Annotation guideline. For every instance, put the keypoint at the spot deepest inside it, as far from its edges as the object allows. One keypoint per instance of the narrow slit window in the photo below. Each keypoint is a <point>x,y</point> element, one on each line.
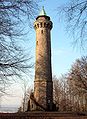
<point>42,31</point>
<point>41,24</point>
<point>32,105</point>
<point>37,43</point>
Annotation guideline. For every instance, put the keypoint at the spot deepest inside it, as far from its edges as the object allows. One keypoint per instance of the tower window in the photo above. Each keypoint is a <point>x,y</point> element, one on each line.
<point>38,25</point>
<point>37,43</point>
<point>42,31</point>
<point>41,24</point>
<point>44,24</point>
<point>35,26</point>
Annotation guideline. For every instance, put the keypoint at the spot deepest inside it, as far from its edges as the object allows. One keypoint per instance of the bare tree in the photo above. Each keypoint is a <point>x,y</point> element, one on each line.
<point>57,91</point>
<point>27,91</point>
<point>60,93</point>
<point>78,78</point>
<point>78,73</point>
<point>68,96</point>
<point>15,20</point>
<point>76,19</point>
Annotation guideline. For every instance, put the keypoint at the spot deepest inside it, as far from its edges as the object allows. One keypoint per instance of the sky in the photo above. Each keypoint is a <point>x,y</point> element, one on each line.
<point>63,53</point>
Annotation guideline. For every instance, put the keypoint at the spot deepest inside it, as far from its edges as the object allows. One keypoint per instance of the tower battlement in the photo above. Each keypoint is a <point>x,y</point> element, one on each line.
<point>42,22</point>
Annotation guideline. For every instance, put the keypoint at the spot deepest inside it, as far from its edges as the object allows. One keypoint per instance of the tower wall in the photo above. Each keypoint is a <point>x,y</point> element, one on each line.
<point>43,86</point>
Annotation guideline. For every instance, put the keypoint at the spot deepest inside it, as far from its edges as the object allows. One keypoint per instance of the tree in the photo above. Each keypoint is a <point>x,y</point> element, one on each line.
<point>78,78</point>
<point>78,73</point>
<point>67,96</point>
<point>26,91</point>
<point>15,15</point>
<point>76,18</point>
<point>61,93</point>
<point>26,97</point>
<point>57,91</point>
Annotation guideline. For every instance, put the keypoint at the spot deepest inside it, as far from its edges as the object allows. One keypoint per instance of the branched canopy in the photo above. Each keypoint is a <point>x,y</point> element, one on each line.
<point>76,20</point>
<point>78,74</point>
<point>15,15</point>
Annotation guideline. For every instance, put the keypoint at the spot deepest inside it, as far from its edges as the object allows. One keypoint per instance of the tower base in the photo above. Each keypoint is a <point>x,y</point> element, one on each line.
<point>33,105</point>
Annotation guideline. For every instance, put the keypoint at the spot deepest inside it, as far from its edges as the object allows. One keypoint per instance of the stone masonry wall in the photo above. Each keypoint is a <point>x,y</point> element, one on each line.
<point>43,86</point>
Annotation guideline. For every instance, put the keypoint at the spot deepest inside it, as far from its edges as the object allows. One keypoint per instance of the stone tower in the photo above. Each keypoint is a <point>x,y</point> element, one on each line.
<point>43,85</point>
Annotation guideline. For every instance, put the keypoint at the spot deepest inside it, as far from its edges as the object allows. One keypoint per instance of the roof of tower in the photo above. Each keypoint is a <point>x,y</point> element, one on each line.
<point>42,12</point>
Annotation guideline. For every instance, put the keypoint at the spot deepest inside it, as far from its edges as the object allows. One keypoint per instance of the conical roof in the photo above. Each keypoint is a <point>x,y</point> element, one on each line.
<point>42,12</point>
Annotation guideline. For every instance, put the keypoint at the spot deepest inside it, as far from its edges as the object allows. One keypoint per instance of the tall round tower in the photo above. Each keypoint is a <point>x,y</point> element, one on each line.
<point>43,85</point>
